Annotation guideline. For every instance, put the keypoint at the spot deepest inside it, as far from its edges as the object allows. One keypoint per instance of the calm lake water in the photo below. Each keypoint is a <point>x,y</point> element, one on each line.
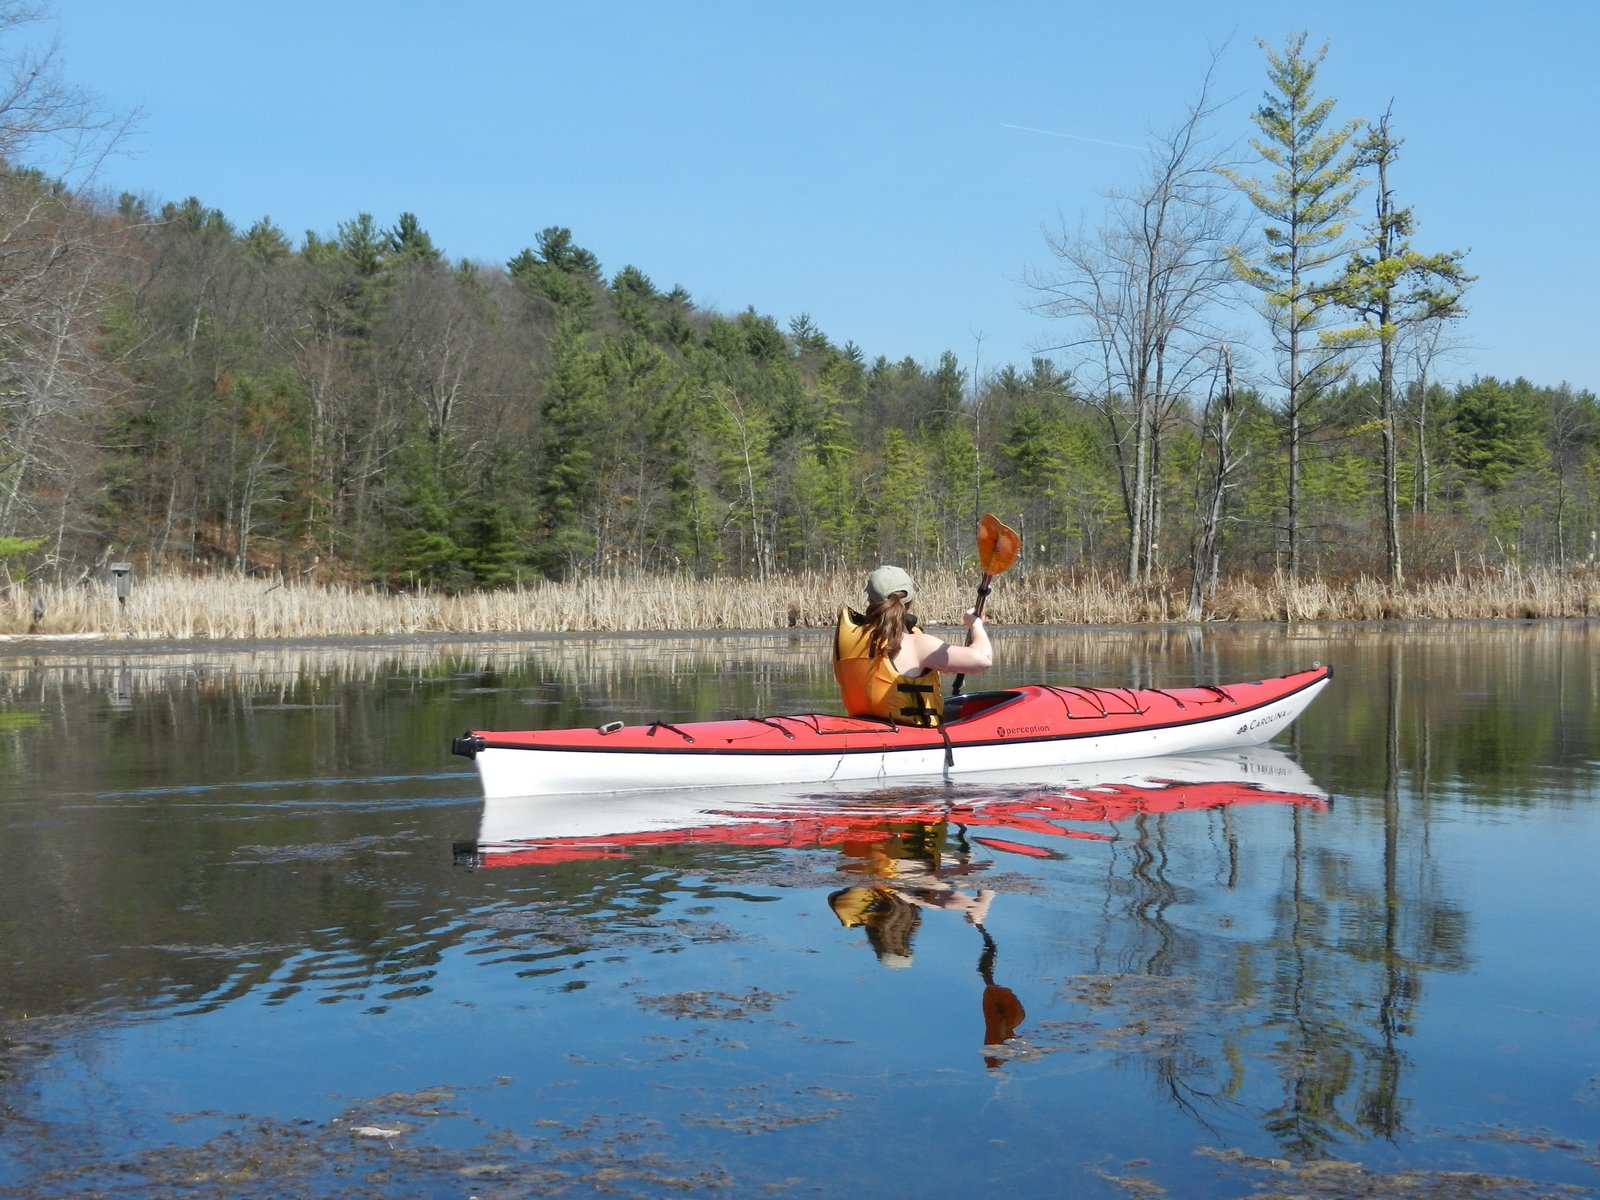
<point>259,935</point>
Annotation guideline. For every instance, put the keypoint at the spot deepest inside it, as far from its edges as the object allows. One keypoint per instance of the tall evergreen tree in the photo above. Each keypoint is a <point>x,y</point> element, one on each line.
<point>419,546</point>
<point>1496,430</point>
<point>410,242</point>
<point>563,273</point>
<point>574,415</point>
<point>363,243</point>
<point>1307,200</point>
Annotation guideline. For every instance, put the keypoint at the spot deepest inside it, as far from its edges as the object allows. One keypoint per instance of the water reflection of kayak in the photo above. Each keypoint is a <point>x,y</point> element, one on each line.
<point>520,830</point>
<point>1021,728</point>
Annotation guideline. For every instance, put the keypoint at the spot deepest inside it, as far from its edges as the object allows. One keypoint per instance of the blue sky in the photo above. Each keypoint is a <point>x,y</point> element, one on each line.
<point>886,168</point>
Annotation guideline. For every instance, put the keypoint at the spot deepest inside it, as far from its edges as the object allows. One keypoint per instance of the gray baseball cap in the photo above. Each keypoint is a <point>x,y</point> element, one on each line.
<point>885,582</point>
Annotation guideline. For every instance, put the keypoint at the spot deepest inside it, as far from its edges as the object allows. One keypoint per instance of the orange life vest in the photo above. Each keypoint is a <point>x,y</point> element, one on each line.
<point>871,687</point>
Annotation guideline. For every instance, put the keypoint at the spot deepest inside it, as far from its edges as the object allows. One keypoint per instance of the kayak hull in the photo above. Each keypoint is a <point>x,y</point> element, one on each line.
<point>1019,729</point>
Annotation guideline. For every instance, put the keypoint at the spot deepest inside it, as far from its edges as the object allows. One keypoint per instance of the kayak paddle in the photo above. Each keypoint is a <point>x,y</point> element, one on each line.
<point>998,546</point>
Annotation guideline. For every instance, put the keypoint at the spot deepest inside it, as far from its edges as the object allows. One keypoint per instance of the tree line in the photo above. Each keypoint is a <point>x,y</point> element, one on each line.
<point>186,390</point>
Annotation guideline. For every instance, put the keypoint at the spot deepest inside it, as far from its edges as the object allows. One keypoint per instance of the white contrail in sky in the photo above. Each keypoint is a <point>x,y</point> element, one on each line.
<point>1070,136</point>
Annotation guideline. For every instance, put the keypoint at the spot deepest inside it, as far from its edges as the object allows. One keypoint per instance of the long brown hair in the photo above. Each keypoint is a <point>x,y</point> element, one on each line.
<point>888,621</point>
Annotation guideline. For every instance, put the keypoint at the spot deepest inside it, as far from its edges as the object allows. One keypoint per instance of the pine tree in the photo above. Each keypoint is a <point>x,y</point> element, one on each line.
<point>1393,289</point>
<point>1306,201</point>
<point>573,413</point>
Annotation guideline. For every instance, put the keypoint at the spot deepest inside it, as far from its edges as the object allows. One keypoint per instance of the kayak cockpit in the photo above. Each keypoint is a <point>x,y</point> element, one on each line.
<point>966,706</point>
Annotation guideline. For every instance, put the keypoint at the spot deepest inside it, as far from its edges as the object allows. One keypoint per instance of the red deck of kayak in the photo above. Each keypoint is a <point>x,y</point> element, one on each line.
<point>1036,712</point>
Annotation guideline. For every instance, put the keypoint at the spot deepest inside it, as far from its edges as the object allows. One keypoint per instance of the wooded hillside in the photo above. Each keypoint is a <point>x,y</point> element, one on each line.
<point>179,386</point>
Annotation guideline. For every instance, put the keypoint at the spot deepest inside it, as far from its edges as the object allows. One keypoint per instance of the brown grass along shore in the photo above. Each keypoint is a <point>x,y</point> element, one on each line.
<point>230,606</point>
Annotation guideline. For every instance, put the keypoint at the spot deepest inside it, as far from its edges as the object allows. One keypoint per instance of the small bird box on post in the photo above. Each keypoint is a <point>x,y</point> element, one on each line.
<point>122,574</point>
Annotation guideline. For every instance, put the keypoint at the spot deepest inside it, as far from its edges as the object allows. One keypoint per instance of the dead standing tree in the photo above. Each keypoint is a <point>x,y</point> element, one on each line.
<point>1140,294</point>
<point>1218,422</point>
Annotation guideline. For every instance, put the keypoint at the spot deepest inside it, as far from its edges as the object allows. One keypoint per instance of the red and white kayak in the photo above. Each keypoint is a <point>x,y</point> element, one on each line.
<point>1038,725</point>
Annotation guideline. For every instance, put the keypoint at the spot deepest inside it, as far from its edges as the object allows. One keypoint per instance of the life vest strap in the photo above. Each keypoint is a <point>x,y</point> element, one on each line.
<point>919,710</point>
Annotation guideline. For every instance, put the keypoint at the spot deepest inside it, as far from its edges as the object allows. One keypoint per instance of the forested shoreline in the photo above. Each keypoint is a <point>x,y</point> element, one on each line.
<point>193,393</point>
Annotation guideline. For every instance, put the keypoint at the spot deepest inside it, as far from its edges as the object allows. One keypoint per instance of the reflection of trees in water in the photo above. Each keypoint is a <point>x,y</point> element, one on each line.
<point>1499,705</point>
<point>1327,999</point>
<point>170,931</point>
<point>221,782</point>
<point>1155,975</point>
<point>603,663</point>
<point>150,936</point>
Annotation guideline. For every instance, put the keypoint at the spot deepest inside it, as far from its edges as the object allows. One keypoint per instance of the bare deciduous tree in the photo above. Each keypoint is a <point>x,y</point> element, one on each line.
<point>1217,423</point>
<point>53,138</point>
<point>1141,295</point>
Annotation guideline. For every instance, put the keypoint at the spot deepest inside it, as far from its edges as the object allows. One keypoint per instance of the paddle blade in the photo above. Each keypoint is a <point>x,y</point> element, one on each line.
<point>998,545</point>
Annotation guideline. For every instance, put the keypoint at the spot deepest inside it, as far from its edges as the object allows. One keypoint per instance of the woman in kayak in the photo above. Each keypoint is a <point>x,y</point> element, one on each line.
<point>887,666</point>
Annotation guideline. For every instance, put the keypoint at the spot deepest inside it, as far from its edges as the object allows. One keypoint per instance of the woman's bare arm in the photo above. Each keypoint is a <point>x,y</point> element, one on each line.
<point>974,658</point>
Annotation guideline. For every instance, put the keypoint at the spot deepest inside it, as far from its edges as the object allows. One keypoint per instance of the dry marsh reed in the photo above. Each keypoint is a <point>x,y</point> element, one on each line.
<point>235,607</point>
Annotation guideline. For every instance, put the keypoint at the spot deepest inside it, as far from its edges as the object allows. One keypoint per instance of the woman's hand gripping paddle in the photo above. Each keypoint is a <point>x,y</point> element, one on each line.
<point>998,546</point>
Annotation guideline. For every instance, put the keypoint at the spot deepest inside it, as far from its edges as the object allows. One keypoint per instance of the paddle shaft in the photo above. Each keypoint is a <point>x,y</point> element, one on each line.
<point>977,611</point>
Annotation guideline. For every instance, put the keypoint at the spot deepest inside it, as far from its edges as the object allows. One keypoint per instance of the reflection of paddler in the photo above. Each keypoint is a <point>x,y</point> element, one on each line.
<point>900,847</point>
<point>889,919</point>
<point>1002,1011</point>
